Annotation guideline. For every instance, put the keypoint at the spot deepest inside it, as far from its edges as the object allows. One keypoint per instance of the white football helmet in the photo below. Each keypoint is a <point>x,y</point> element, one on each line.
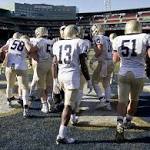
<point>133,26</point>
<point>71,32</point>
<point>16,35</point>
<point>41,31</point>
<point>97,29</point>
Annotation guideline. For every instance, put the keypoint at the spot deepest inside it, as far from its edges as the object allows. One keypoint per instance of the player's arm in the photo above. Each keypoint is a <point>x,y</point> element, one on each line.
<point>85,71</point>
<point>54,67</point>
<point>4,48</point>
<point>84,67</point>
<point>56,87</point>
<point>116,57</point>
<point>98,48</point>
<point>148,52</point>
<point>29,46</point>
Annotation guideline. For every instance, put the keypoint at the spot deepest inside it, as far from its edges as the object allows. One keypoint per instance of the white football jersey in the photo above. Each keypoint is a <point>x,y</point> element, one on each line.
<point>67,53</point>
<point>17,53</point>
<point>87,44</point>
<point>132,49</point>
<point>45,49</point>
<point>107,46</point>
<point>8,41</point>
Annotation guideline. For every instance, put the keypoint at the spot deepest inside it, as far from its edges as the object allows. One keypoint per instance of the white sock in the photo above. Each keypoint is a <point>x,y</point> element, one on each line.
<point>62,131</point>
<point>73,117</point>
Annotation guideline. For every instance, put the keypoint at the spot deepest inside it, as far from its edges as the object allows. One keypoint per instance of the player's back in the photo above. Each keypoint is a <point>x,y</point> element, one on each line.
<point>44,49</point>
<point>132,49</point>
<point>17,54</point>
<point>107,46</point>
<point>67,53</point>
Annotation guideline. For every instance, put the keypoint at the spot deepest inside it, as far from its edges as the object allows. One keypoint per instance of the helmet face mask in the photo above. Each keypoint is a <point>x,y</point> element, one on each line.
<point>71,32</point>
<point>97,29</point>
<point>133,26</point>
<point>41,32</point>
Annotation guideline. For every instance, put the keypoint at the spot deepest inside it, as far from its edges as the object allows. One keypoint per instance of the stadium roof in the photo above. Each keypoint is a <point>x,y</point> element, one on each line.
<point>114,11</point>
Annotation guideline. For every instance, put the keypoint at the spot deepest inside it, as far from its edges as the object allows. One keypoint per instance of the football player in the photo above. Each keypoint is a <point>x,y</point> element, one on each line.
<point>34,95</point>
<point>68,55</point>
<point>82,79</point>
<point>16,66</point>
<point>42,70</point>
<point>102,73</point>
<point>58,98</point>
<point>16,35</point>
<point>131,50</point>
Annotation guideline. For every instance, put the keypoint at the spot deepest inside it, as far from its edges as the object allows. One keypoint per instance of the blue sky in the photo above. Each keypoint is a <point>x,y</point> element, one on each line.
<point>82,5</point>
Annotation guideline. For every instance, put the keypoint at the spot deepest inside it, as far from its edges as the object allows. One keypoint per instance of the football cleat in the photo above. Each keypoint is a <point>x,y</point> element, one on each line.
<point>108,106</point>
<point>119,133</point>
<point>129,125</point>
<point>9,101</point>
<point>65,140</point>
<point>44,107</point>
<point>102,103</point>
<point>20,101</point>
<point>26,113</point>
<point>74,120</point>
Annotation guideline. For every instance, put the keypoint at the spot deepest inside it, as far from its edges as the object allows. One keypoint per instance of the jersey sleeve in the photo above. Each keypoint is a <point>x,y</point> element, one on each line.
<point>148,41</point>
<point>54,49</point>
<point>83,47</point>
<point>115,44</point>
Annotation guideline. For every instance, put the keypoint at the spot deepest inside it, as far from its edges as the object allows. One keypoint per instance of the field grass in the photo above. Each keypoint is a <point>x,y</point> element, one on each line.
<point>39,133</point>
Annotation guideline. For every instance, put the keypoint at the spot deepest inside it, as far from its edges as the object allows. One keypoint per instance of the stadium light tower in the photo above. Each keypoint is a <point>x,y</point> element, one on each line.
<point>107,5</point>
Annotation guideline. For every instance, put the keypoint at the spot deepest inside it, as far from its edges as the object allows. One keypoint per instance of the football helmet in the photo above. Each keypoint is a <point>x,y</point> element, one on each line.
<point>61,30</point>
<point>112,36</point>
<point>97,29</point>
<point>16,35</point>
<point>71,32</point>
<point>41,31</point>
<point>25,37</point>
<point>133,26</point>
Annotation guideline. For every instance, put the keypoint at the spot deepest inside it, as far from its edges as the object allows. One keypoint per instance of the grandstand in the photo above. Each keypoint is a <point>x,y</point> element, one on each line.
<point>113,21</point>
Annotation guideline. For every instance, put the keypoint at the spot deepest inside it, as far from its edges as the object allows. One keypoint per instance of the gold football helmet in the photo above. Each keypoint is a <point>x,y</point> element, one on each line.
<point>71,32</point>
<point>41,31</point>
<point>133,26</point>
<point>112,36</point>
<point>97,29</point>
<point>25,37</point>
<point>16,35</point>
